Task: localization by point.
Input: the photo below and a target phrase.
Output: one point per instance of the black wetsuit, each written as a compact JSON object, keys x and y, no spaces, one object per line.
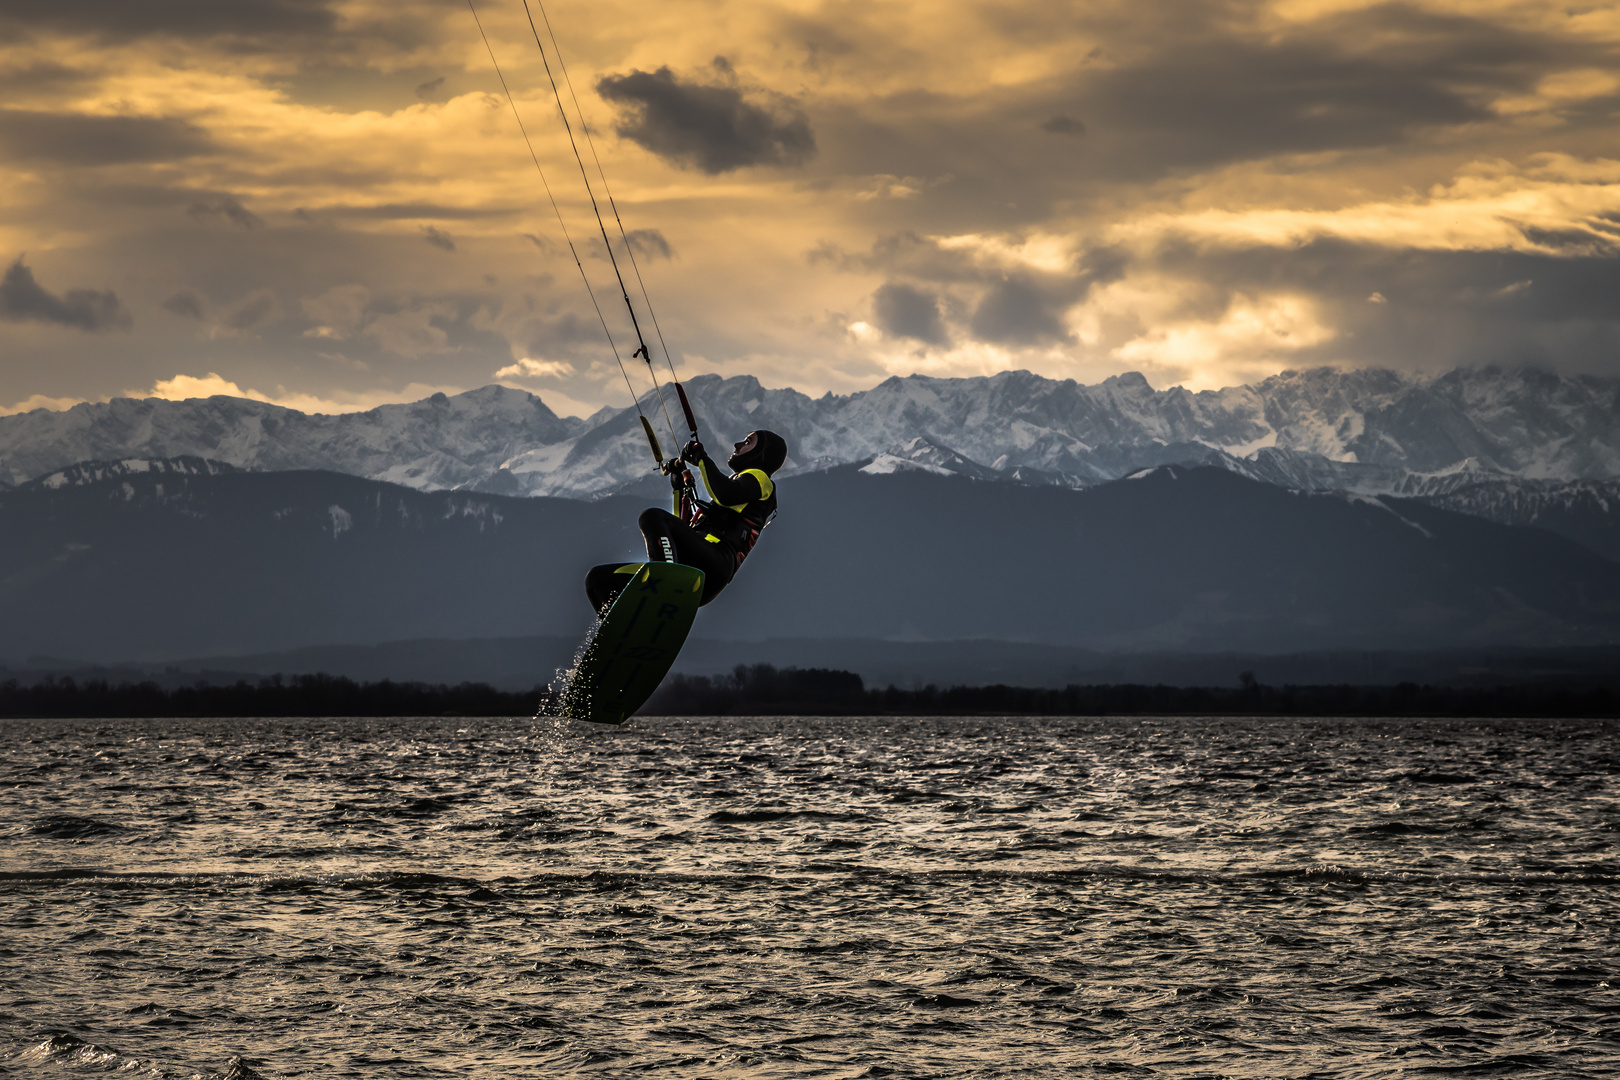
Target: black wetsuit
{"x":716,"y":540}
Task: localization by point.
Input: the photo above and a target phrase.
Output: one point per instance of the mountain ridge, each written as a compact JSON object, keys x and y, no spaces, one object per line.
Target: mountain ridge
{"x":1369,"y":430}
{"x":429,"y":444}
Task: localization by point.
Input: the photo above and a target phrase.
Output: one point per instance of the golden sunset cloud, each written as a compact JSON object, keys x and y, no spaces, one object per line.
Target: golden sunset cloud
{"x":330,"y":204}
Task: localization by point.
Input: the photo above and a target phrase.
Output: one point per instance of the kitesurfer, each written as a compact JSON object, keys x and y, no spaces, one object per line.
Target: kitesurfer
{"x":714,"y":536}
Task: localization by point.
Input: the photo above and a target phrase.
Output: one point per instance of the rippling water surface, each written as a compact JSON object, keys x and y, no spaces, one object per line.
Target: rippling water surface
{"x":810,"y":898}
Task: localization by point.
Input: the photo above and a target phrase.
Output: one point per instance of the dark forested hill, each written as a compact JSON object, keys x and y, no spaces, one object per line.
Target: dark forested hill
{"x":1168,"y":559}
{"x":160,"y":565}
{"x":164,"y":565}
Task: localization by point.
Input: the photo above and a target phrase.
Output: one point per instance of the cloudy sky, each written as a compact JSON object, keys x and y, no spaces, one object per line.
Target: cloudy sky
{"x":328,"y":203}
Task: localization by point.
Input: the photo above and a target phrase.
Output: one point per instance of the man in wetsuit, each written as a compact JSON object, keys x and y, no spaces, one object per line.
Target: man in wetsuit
{"x":715,"y":536}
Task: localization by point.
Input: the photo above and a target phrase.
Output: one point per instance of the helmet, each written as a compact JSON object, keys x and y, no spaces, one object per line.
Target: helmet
{"x":760,"y":450}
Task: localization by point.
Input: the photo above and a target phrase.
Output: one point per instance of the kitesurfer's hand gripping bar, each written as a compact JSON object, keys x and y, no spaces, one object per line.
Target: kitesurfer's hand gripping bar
{"x":688,"y":484}
{"x":674,"y":468}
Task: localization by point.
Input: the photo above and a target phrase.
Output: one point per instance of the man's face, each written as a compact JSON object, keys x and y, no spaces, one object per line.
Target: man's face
{"x":743,"y":449}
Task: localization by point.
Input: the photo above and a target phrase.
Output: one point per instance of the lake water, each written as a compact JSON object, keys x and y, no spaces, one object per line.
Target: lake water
{"x":793,"y":897}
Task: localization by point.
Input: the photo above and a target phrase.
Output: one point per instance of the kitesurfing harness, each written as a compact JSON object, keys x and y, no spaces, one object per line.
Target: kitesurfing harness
{"x":740,"y":505}
{"x":736,"y":526}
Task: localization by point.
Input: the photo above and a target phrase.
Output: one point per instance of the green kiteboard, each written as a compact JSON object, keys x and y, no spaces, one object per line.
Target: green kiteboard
{"x":636,"y":643}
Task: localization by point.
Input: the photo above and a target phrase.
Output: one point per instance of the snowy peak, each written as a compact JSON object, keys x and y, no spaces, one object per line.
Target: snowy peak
{"x":439,"y":442}
{"x":1367,"y":431}
{"x":924,"y":455}
{"x":1521,"y":422}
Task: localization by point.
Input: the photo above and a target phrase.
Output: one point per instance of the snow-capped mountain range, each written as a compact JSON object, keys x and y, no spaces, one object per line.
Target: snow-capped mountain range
{"x":1368,"y":431}
{"x":438,"y":442}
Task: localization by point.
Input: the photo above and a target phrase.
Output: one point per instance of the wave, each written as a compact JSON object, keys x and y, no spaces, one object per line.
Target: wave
{"x":74,"y":827}
{"x":193,"y":880}
{"x":731,"y":817}
{"x":611,"y":880}
{"x":63,"y":1048}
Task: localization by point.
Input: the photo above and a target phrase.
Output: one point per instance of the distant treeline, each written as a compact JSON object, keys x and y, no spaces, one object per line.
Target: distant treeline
{"x":764,"y":690}
{"x":761,"y":689}
{"x":301,"y":695}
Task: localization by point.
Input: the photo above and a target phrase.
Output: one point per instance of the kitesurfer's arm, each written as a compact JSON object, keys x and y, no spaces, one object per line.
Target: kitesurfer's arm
{"x":723,"y":489}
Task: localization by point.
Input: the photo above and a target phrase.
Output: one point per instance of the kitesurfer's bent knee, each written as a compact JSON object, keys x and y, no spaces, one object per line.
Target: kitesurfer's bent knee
{"x":604,"y":583}
{"x":670,"y":540}
{"x":660,"y":529}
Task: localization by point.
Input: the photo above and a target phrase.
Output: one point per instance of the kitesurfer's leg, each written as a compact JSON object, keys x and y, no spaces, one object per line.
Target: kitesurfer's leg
{"x":671,"y":540}
{"x":661,"y":530}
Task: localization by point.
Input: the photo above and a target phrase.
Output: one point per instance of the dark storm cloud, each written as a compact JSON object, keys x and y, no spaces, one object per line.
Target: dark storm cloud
{"x":1024,"y":308}
{"x":253,"y":312}
{"x":227,"y":208}
{"x":1015,"y":311}
{"x":549,"y":332}
{"x":1100,"y":266}
{"x":1572,"y":241}
{"x":1195,"y":86}
{"x":645,"y":243}
{"x":650,"y":243}
{"x":902,"y":253}
{"x":22,"y":299}
{"x":438,"y":239}
{"x":825,"y":42}
{"x":406,"y":212}
{"x":42,"y":75}
{"x":911,"y":255}
{"x":902,"y":311}
{"x":187,"y":305}
{"x":1435,"y":309}
{"x":709,"y":127}
{"x":1475,"y":284}
{"x":123,"y":19}
{"x":1358,"y":79}
{"x":77,"y":139}
{"x":259,"y":308}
